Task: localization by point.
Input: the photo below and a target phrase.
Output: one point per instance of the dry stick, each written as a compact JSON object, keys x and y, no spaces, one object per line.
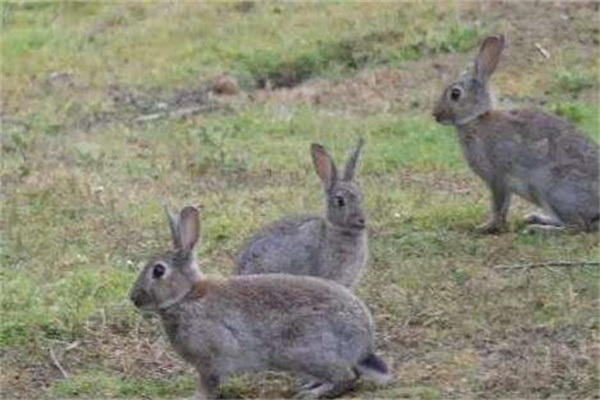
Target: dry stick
{"x":542,"y":51}
{"x":57,"y":364}
{"x":550,"y":264}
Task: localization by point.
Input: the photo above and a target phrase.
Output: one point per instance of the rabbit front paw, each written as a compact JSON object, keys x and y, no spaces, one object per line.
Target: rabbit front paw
{"x":491,"y":227}
{"x":314,"y":390}
{"x":541,"y":219}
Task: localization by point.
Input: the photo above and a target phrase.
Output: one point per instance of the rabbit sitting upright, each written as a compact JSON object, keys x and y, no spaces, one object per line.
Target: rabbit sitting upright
{"x":310,"y":327}
{"x":540,"y":157}
{"x":332,"y":247}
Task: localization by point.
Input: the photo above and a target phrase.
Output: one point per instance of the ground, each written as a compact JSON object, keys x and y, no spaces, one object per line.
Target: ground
{"x":110,"y":109}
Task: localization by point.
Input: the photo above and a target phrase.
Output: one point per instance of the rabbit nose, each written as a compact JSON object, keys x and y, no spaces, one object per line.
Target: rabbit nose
{"x":138,"y":298}
{"x":360,"y":222}
{"x":136,"y":302}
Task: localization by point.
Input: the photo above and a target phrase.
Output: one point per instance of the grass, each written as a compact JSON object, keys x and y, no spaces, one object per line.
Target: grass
{"x":87,"y":386}
{"x":319,"y":39}
{"x":573,"y":80}
{"x":82,"y":185}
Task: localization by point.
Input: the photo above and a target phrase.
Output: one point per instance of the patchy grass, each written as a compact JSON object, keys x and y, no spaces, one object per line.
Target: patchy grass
{"x":88,"y":385}
{"x":319,"y":39}
{"x":574,"y":80}
{"x":82,"y":184}
{"x":577,"y":113}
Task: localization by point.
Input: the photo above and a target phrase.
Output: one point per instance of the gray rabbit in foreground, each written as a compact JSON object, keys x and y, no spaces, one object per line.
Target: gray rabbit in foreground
{"x":310,"y":327}
{"x":332,"y":247}
{"x":540,"y":157}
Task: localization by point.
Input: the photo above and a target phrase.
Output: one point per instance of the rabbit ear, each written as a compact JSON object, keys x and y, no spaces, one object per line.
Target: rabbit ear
{"x":353,"y":160}
{"x":189,"y":228}
{"x":488,"y":57}
{"x":174,"y":226}
{"x":324,"y":165}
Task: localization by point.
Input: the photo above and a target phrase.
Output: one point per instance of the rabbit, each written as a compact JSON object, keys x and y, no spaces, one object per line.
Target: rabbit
{"x":333,"y":247}
{"x":310,"y":327}
{"x":539,"y":157}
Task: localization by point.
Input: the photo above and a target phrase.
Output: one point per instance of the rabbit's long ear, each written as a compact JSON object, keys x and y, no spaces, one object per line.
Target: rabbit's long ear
{"x":488,"y":57}
{"x":324,"y":165}
{"x":174,"y":226}
{"x":189,"y":228}
{"x":353,"y":160}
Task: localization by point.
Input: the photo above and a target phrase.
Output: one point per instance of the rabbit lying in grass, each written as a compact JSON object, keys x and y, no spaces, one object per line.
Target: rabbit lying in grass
{"x":311,"y":327}
{"x":540,"y":157}
{"x":332,"y":247}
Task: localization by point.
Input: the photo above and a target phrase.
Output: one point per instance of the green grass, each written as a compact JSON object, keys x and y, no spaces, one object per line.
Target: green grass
{"x":88,"y":386}
{"x":325,"y":39}
{"x":82,"y":187}
{"x":578,"y":113}
{"x":574,"y":80}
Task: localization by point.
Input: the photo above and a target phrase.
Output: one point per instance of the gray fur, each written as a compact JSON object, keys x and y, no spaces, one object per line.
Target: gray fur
{"x":307,"y":326}
{"x":539,"y":157}
{"x":333,"y":247}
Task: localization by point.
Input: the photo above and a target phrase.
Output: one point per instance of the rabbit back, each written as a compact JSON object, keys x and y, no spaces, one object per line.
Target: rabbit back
{"x":540,"y":157}
{"x":271,"y":321}
{"x":291,"y":245}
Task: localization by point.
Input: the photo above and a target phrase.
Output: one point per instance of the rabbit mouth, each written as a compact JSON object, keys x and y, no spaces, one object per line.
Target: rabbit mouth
{"x":360,"y":224}
{"x":443,"y":119}
{"x":142,"y":301}
{"x":443,"y":115}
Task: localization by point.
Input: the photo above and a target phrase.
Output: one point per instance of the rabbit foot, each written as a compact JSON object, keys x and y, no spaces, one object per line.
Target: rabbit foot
{"x":490,"y":227}
{"x":541,"y":219}
{"x":324,"y":389}
{"x":316,"y":391}
{"x":544,"y":229}
{"x":202,"y":395}
{"x":310,"y":384}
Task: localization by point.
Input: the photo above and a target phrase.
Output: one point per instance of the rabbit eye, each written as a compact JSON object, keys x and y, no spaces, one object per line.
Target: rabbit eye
{"x":158,"y":271}
{"x":340,"y":201}
{"x":455,"y":93}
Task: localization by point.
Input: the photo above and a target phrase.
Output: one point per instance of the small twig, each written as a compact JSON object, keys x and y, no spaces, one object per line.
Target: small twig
{"x":150,"y":117}
{"x":73,"y":345}
{"x":57,"y":364}
{"x":176,"y":114}
{"x":549,"y":264}
{"x":542,"y":50}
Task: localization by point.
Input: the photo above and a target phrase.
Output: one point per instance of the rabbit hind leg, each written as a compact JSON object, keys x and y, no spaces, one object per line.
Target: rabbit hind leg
{"x":330,"y":381}
{"x":542,"y":219}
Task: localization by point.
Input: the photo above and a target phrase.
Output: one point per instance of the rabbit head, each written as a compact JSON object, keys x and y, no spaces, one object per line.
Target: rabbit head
{"x":169,"y":277}
{"x":468,"y":97}
{"x":343,"y":194}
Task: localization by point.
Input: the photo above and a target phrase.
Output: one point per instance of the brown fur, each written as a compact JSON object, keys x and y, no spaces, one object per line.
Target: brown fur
{"x":542,"y":158}
{"x":332,"y":247}
{"x":307,"y":326}
{"x":199,"y":290}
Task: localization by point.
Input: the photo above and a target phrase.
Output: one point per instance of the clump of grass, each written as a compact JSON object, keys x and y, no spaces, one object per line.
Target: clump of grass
{"x":416,"y":142}
{"x":343,"y":55}
{"x":455,"y":38}
{"x":581,"y":114}
{"x":573,"y":80}
{"x":60,"y":310}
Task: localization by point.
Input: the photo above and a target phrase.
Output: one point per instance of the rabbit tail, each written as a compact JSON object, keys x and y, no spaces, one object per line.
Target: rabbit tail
{"x":373,"y":368}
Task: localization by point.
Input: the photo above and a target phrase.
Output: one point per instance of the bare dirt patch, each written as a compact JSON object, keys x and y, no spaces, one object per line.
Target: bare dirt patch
{"x":148,"y":105}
